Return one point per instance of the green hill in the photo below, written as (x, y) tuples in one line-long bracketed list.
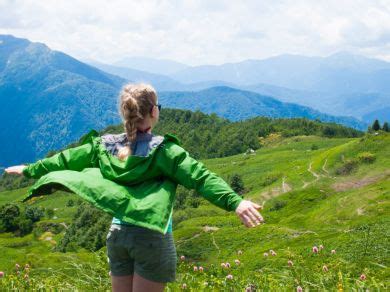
[(315, 190)]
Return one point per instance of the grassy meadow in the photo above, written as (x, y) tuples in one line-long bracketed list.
[(326, 206)]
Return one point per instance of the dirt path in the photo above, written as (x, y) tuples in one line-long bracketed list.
[(323, 167), (215, 244), (185, 240), (316, 175)]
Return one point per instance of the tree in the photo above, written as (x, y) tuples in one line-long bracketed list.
[(385, 127), (376, 126), (237, 184), (9, 214)]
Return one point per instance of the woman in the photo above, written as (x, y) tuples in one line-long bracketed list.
[(133, 176)]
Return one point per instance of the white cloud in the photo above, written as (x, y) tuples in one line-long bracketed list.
[(201, 32)]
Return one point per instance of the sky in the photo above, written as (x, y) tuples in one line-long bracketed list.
[(197, 32)]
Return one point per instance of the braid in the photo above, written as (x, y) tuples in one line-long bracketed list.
[(135, 103)]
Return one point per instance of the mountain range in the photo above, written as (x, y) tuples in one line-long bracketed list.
[(340, 84), (48, 98)]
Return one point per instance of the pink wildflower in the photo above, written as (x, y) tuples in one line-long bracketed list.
[(237, 262), (315, 249), (230, 277), (265, 254), (17, 266), (325, 268), (239, 252), (182, 257), (272, 252), (195, 268), (1, 274), (333, 251), (227, 265), (290, 263), (299, 289), (321, 247), (363, 277)]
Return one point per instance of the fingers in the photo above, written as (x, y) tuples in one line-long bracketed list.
[(257, 206), (251, 218), (257, 215), (247, 221)]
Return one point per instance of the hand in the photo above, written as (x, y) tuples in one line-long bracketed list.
[(248, 214), (18, 169)]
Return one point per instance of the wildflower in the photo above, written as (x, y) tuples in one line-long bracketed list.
[(26, 266), (239, 252), (265, 254), (272, 252), (195, 268), (17, 266), (299, 289), (223, 265), (227, 265), (333, 251), (200, 269), (321, 247), (363, 277), (229, 277), (206, 283), (182, 257), (237, 262), (184, 286), (325, 268), (25, 276), (315, 249), (290, 263), (1, 274)]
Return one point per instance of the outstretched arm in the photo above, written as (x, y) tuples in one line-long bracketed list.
[(76, 158), (176, 163)]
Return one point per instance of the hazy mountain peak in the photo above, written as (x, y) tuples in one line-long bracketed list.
[(151, 65)]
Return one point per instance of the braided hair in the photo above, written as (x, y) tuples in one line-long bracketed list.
[(135, 104)]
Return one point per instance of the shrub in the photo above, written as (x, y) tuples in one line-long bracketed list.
[(277, 205), (366, 157), (70, 203), (237, 184), (270, 179), (348, 167)]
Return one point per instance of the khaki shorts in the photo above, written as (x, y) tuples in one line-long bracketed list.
[(149, 253)]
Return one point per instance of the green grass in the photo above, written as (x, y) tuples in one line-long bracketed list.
[(348, 213)]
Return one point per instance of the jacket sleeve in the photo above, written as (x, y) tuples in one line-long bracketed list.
[(76, 158), (178, 165)]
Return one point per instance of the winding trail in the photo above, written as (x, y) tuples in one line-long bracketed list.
[(215, 244), (323, 167), (316, 175)]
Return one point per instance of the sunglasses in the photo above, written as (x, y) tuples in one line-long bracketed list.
[(158, 105)]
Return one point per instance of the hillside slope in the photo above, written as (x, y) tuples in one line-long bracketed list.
[(315, 190)]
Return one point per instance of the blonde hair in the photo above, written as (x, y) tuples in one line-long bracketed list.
[(135, 103)]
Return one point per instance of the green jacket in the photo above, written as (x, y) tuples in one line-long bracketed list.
[(140, 190)]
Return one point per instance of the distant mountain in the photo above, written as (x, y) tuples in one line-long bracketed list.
[(329, 84), (235, 104), (160, 82), (157, 66), (48, 99)]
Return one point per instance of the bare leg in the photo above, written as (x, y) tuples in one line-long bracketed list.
[(143, 285), (122, 283)]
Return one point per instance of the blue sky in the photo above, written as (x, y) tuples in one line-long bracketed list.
[(201, 32)]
